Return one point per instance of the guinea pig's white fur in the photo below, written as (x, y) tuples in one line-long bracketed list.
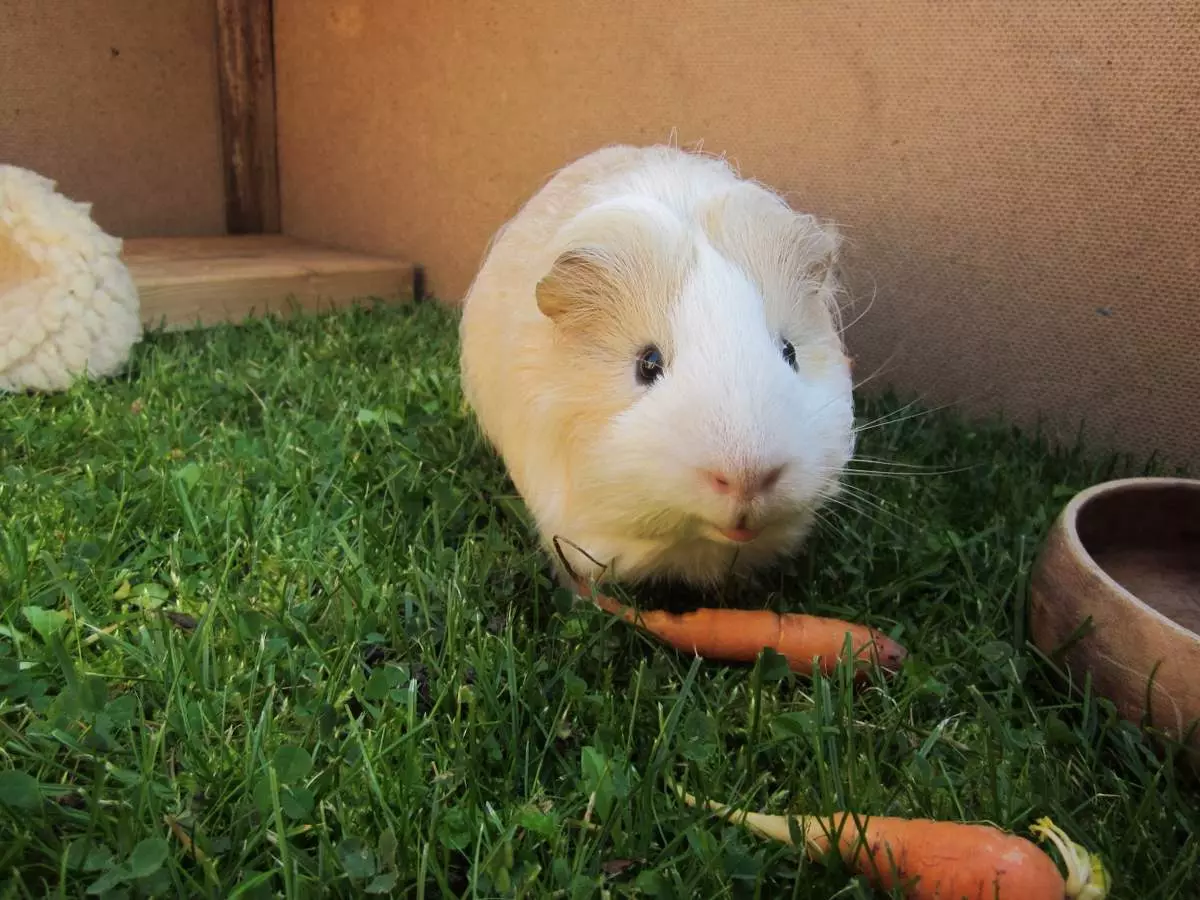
[(631, 247)]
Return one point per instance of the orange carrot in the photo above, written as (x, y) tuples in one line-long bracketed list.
[(739, 635), (933, 860)]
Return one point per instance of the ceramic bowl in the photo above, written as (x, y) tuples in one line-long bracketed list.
[(1126, 553)]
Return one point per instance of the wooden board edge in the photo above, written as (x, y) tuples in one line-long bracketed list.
[(200, 305)]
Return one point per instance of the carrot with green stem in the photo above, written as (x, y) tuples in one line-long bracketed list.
[(739, 635), (938, 860)]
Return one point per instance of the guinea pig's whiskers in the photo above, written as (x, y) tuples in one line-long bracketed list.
[(879, 370), (901, 464), (874, 502), (867, 504), (840, 503), (902, 473), (847, 326), (894, 417), (898, 469), (838, 399), (831, 521), (824, 406), (867, 473)]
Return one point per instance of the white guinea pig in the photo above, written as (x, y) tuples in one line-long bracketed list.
[(652, 347)]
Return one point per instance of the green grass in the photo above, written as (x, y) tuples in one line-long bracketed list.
[(273, 624)]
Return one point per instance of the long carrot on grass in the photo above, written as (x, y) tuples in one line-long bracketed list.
[(938, 860), (739, 635)]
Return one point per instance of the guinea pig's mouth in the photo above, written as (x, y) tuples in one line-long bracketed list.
[(747, 529), (740, 532), (740, 535)]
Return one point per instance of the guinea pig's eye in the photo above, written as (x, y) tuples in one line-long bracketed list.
[(789, 353), (649, 365)]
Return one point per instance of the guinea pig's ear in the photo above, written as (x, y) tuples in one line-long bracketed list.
[(825, 274), (827, 241), (575, 283)]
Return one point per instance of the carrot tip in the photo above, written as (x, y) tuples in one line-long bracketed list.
[(889, 653), (1087, 879)]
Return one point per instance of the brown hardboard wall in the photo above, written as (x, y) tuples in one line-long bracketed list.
[(1019, 182), (116, 100)]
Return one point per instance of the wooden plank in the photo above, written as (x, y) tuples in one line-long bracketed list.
[(246, 90), (198, 282)]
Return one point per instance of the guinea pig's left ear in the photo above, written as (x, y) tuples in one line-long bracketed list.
[(824, 242), (574, 285)]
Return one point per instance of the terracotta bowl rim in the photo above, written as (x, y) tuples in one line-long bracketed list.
[(1070, 517)]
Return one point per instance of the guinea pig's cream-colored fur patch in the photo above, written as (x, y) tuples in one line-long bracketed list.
[(634, 248)]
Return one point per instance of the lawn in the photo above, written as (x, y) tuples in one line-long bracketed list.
[(272, 623)]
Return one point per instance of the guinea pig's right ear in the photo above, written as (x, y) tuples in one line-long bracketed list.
[(574, 285)]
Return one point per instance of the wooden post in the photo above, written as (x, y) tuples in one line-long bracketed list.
[(246, 84)]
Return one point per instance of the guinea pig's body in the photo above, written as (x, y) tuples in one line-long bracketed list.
[(652, 347)]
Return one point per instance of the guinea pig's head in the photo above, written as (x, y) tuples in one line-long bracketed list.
[(698, 368)]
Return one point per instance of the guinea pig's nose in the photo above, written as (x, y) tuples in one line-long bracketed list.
[(746, 484)]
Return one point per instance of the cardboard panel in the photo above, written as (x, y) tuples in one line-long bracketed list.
[(1019, 182), (117, 101)]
